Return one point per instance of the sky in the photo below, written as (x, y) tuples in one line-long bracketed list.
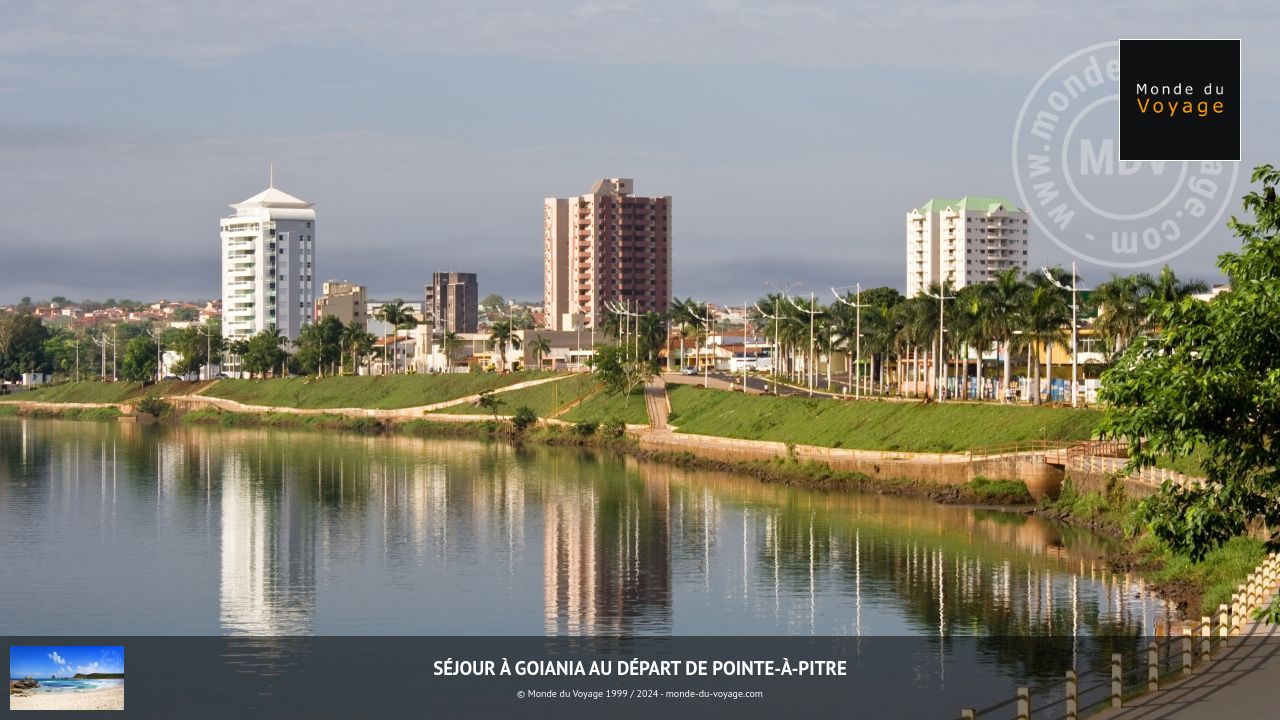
[(792, 136), (64, 661)]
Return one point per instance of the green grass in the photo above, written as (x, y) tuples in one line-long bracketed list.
[(870, 424), (381, 392), (212, 416), (602, 406), (1218, 574), (544, 399), (1192, 464), (92, 391), (1004, 492)]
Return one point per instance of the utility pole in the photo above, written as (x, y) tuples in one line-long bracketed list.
[(941, 358), (857, 305), (813, 312), (1075, 329)]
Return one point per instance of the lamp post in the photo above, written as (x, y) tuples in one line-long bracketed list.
[(776, 317), (706, 369), (159, 354), (1075, 329), (941, 373), (857, 305), (813, 312)]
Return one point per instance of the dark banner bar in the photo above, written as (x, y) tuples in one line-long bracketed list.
[(535, 677)]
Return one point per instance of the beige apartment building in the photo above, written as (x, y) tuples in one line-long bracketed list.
[(964, 241), (606, 246), (345, 301)]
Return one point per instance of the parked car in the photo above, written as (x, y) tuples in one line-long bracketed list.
[(688, 370)]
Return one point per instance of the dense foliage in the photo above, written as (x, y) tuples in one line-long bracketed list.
[(1209, 380)]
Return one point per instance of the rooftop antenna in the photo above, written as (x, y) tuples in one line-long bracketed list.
[(271, 175)]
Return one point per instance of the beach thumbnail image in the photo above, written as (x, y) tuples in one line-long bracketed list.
[(66, 677)]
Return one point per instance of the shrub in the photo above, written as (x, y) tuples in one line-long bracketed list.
[(523, 418), (614, 428), (586, 428), (153, 405)]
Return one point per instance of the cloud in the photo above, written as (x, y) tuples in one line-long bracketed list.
[(93, 667), (54, 656)]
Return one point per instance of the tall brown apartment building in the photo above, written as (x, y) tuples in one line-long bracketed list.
[(605, 246)]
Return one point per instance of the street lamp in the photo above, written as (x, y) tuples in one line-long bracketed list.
[(813, 312), (941, 373), (777, 346), (857, 305), (706, 369), (1075, 328)]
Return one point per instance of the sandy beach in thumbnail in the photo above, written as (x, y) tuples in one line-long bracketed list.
[(107, 698)]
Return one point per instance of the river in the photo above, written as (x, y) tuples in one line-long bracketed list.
[(123, 529)]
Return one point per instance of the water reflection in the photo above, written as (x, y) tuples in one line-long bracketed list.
[(261, 533)]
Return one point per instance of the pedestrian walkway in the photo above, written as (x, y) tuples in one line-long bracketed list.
[(1242, 682), (655, 401)]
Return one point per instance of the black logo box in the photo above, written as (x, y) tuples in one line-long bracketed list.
[(1186, 69)]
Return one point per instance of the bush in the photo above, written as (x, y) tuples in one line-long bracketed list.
[(586, 428), (613, 428), (523, 418), (153, 405)]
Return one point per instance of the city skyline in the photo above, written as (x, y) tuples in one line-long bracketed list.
[(790, 162)]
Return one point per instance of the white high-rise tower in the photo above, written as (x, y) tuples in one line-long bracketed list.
[(268, 254)]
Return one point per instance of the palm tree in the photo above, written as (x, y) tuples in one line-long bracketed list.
[(1046, 308), (1166, 288), (1002, 302), (450, 347), (541, 346), (357, 341), (500, 337), (395, 314), (1120, 303)]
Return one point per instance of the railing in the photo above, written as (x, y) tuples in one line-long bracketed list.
[(1021, 446), (1146, 669)]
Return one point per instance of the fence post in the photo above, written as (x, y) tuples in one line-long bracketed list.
[(1073, 696), (1116, 680), (968, 714), (1024, 703), (1186, 651), (1153, 666), (1224, 622), (1205, 634)]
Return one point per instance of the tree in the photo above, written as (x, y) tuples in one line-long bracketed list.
[(487, 401), (1121, 309), (450, 346), (619, 373), (194, 345), (541, 347), (263, 353), (139, 361), (1003, 303), (320, 345), (501, 336), (22, 346), (398, 316), (493, 301), (524, 418), (357, 341), (1209, 381)]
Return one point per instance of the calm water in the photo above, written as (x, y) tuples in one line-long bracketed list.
[(123, 530)]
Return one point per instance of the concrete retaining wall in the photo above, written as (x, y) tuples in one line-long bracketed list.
[(1042, 479)]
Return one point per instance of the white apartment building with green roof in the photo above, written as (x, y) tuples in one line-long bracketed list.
[(964, 241)]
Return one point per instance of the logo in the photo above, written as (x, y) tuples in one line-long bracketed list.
[(1077, 190)]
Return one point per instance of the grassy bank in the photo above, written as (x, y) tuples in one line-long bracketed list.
[(870, 424), (378, 392), (545, 399), (602, 407), (93, 391), (71, 413), (1197, 588)]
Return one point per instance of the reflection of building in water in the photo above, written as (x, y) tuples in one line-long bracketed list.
[(607, 555), (268, 551)]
